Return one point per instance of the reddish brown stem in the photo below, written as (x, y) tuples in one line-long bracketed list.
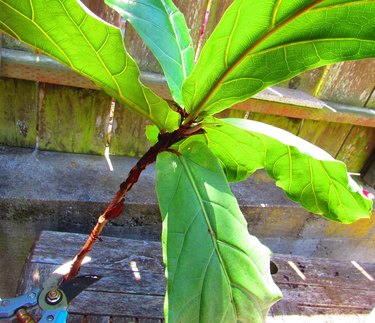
[(115, 208)]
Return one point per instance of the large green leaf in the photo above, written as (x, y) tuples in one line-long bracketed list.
[(163, 28), (68, 32), (307, 174), (216, 271), (260, 43)]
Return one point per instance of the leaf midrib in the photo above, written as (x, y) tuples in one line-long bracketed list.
[(263, 37), (214, 242), (175, 30)]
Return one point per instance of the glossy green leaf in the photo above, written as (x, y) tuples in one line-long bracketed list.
[(216, 271), (68, 32), (307, 174), (260, 43), (152, 134), (163, 29)]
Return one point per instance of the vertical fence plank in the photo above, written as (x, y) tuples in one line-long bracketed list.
[(326, 135), (289, 124), (128, 134), (194, 12), (349, 82), (357, 148), (17, 113), (72, 120)]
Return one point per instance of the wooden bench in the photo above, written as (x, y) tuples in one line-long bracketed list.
[(133, 285)]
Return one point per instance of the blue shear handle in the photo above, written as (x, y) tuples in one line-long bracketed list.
[(54, 316), (9, 306)]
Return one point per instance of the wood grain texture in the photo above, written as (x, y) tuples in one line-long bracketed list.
[(17, 113), (326, 135), (128, 133), (357, 148), (73, 120), (349, 82), (132, 287)]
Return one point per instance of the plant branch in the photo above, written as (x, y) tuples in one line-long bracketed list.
[(116, 206)]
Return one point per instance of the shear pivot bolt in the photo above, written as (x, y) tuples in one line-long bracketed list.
[(50, 318), (54, 296)]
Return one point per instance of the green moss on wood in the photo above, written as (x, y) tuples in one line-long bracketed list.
[(73, 120), (128, 136), (326, 135), (17, 113)]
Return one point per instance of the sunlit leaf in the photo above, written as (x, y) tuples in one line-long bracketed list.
[(163, 29), (307, 174), (68, 32), (259, 43), (216, 271)]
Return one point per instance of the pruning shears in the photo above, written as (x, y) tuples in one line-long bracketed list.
[(53, 298)]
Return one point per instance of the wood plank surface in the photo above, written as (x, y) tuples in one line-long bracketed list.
[(357, 148), (128, 133), (326, 135), (349, 82), (132, 286), (18, 113), (73, 120)]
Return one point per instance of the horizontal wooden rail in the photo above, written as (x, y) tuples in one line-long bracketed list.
[(275, 101)]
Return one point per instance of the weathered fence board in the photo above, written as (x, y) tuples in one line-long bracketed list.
[(72, 119), (132, 286), (326, 135), (357, 148), (128, 134), (349, 82), (17, 113)]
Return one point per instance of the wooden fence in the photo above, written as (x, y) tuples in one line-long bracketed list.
[(42, 102)]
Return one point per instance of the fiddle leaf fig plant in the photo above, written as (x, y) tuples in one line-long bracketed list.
[(216, 271)]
